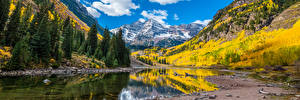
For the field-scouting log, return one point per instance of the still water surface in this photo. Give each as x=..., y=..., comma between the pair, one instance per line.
x=146, y=84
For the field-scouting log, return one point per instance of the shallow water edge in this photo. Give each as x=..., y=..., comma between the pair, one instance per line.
x=66, y=71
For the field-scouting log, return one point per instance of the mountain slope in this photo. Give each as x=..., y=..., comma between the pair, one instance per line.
x=64, y=11
x=80, y=11
x=245, y=33
x=151, y=33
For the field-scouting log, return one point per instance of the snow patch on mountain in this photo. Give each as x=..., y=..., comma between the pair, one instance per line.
x=152, y=33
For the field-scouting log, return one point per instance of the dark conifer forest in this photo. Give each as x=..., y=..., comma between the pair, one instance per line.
x=42, y=38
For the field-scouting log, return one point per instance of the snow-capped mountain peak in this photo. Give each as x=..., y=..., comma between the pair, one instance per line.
x=152, y=33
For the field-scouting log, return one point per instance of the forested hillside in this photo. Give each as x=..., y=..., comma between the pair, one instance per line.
x=246, y=33
x=42, y=34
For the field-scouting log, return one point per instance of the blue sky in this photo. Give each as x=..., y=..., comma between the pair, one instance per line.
x=114, y=13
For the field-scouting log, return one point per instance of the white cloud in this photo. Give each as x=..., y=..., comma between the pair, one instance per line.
x=204, y=22
x=115, y=7
x=93, y=12
x=84, y=5
x=86, y=2
x=176, y=17
x=165, y=2
x=158, y=15
x=142, y=20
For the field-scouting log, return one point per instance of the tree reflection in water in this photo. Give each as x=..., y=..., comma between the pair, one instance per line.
x=96, y=86
x=184, y=80
x=142, y=85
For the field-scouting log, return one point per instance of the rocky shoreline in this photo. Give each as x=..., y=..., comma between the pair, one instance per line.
x=136, y=66
x=240, y=87
x=65, y=71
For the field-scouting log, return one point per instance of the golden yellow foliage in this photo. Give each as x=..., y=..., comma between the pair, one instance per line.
x=22, y=11
x=84, y=61
x=278, y=47
x=237, y=7
x=184, y=80
x=31, y=18
x=97, y=66
x=51, y=16
x=12, y=7
x=135, y=53
x=223, y=22
x=63, y=10
x=52, y=60
x=99, y=36
x=5, y=55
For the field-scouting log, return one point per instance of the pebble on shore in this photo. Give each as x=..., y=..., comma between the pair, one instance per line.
x=228, y=95
x=212, y=96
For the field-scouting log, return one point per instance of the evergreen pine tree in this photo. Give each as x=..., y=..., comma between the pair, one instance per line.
x=82, y=38
x=105, y=42
x=76, y=40
x=88, y=51
x=45, y=41
x=26, y=49
x=40, y=41
x=24, y=22
x=120, y=47
x=82, y=49
x=67, y=43
x=98, y=53
x=82, y=45
x=122, y=51
x=89, y=46
x=36, y=21
x=115, y=63
x=35, y=47
x=111, y=54
x=4, y=10
x=12, y=35
x=20, y=56
x=15, y=62
x=67, y=22
x=54, y=38
x=127, y=57
x=92, y=39
x=109, y=59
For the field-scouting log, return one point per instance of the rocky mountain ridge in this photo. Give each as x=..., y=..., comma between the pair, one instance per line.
x=152, y=33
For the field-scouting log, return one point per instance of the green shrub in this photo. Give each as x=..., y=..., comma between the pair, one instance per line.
x=230, y=57
x=55, y=65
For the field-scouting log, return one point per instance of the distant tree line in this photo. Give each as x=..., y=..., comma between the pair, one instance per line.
x=152, y=60
x=145, y=60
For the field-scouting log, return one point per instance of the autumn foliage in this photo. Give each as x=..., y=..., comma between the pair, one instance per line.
x=277, y=47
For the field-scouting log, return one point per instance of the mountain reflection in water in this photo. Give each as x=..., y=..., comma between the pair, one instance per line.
x=169, y=82
x=147, y=84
